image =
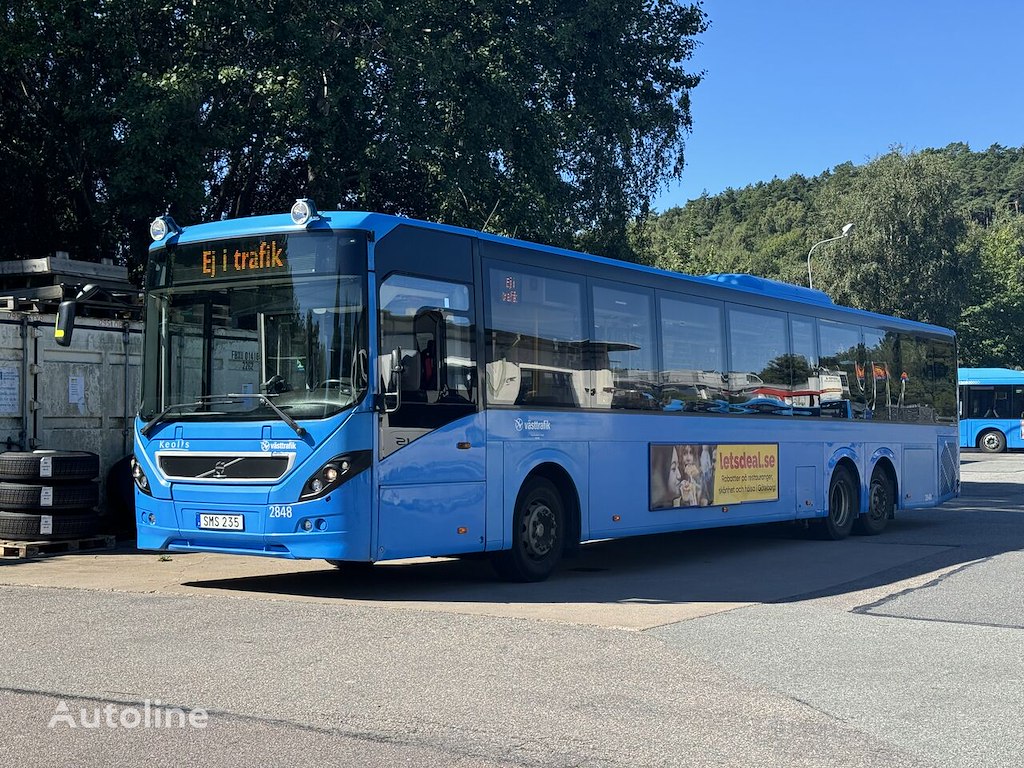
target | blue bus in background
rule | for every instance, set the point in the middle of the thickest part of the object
(361, 387)
(991, 409)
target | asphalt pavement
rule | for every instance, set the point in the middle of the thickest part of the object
(743, 647)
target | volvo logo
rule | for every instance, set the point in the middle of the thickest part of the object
(220, 469)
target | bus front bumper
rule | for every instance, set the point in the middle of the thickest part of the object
(307, 531)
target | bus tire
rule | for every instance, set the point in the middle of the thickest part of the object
(21, 526)
(538, 534)
(63, 465)
(30, 496)
(992, 441)
(842, 506)
(881, 500)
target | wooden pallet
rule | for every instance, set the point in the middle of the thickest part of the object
(26, 549)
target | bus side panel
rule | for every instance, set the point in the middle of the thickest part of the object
(431, 519)
(621, 485)
(1012, 429)
(1015, 434)
(625, 485)
(968, 433)
(919, 483)
(432, 494)
(496, 481)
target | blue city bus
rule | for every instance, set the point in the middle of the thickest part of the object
(991, 409)
(361, 387)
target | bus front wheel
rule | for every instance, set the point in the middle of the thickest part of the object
(538, 534)
(992, 441)
(842, 506)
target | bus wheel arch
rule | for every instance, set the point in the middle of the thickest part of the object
(881, 500)
(545, 524)
(991, 441)
(842, 502)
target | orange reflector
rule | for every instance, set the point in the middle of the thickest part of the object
(463, 446)
(616, 518)
(460, 530)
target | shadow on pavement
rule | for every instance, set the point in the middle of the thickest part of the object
(768, 563)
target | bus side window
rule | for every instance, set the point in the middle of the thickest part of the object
(1001, 405)
(431, 322)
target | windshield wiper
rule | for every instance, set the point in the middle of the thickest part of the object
(163, 414)
(230, 398)
(299, 429)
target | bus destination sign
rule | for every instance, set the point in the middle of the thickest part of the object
(266, 256)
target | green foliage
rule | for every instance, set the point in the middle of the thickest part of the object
(938, 236)
(990, 330)
(905, 259)
(549, 119)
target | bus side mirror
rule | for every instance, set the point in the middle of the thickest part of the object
(65, 322)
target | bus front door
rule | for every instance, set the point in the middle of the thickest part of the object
(431, 442)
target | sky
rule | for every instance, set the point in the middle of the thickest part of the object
(798, 86)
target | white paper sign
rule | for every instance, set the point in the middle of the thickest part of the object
(46, 496)
(10, 390)
(76, 390)
(46, 466)
(45, 524)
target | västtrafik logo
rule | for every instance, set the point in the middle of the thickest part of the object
(532, 425)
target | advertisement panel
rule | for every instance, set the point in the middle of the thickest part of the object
(702, 474)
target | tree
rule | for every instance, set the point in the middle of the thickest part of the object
(905, 257)
(990, 328)
(551, 119)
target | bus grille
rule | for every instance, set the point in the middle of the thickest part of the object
(221, 467)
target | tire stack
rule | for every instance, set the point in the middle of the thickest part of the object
(48, 495)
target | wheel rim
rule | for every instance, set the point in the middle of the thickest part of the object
(540, 530)
(839, 504)
(991, 441)
(879, 506)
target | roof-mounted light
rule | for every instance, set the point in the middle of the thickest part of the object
(163, 226)
(304, 211)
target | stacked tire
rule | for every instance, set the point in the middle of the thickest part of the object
(48, 495)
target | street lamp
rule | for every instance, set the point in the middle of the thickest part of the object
(846, 231)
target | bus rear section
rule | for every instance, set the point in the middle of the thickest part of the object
(991, 409)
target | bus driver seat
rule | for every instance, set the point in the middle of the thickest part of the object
(411, 376)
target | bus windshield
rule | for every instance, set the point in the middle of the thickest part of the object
(281, 316)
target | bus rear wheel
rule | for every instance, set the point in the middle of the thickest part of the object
(538, 534)
(992, 441)
(881, 499)
(842, 506)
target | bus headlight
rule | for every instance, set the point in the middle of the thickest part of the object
(141, 481)
(163, 226)
(335, 473)
(304, 211)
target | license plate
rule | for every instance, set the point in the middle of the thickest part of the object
(220, 522)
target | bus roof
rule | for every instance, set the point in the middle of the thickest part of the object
(381, 224)
(990, 376)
